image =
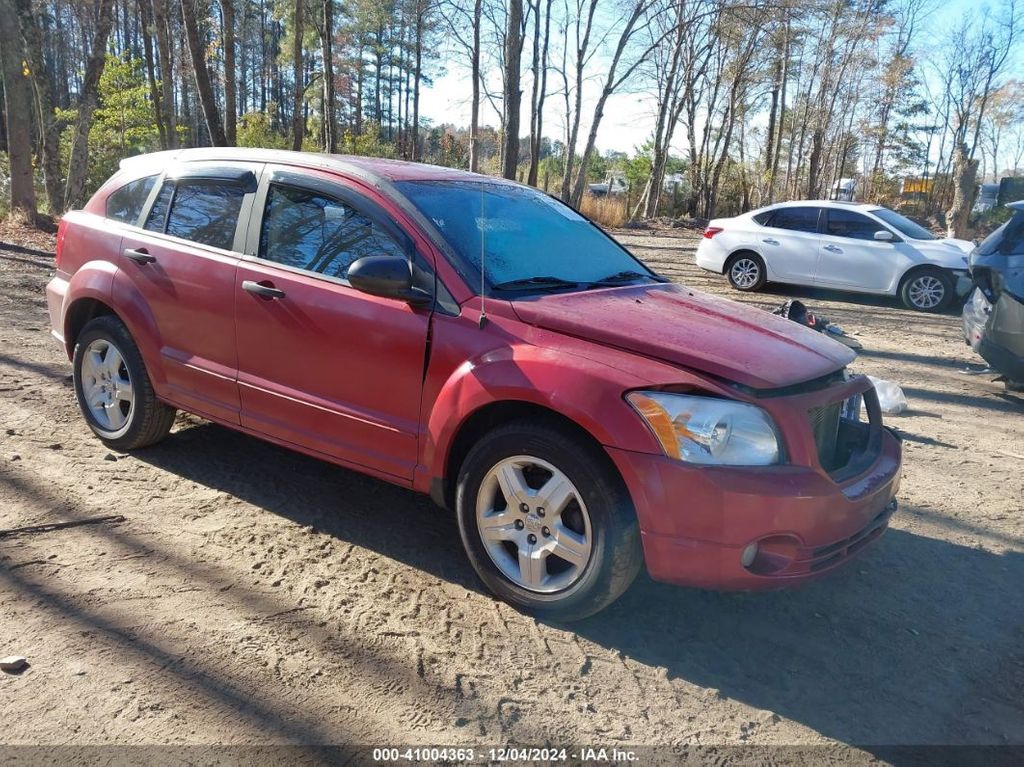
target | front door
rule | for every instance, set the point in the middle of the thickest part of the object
(851, 258)
(320, 364)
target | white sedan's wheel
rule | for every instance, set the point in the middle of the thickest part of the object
(746, 272)
(929, 290)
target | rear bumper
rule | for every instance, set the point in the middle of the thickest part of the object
(696, 523)
(711, 256)
(56, 291)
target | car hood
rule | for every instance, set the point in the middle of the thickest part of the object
(695, 330)
(949, 252)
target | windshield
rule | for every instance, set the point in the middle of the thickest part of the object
(1007, 239)
(903, 224)
(530, 241)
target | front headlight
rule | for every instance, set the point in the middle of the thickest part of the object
(709, 431)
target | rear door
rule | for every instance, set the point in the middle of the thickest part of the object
(851, 257)
(789, 243)
(320, 364)
(182, 266)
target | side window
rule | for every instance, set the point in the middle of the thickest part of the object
(796, 219)
(125, 204)
(205, 212)
(764, 219)
(308, 230)
(846, 223)
(157, 218)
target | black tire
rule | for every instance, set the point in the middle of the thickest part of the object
(615, 553)
(746, 271)
(148, 420)
(916, 297)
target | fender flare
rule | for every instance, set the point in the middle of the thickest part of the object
(584, 391)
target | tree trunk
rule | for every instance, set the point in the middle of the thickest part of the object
(18, 104)
(43, 90)
(164, 48)
(330, 96)
(146, 12)
(227, 9)
(78, 165)
(197, 52)
(474, 118)
(965, 173)
(417, 76)
(513, 90)
(298, 119)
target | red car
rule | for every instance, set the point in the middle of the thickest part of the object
(477, 340)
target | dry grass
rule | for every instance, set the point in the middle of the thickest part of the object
(607, 211)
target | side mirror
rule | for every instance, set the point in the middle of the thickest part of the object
(388, 277)
(884, 235)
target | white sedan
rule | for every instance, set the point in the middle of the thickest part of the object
(839, 245)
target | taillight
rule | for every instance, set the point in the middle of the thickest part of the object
(711, 231)
(61, 231)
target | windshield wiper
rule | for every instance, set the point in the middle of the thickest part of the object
(535, 282)
(620, 278)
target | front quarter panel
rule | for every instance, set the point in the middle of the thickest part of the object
(505, 361)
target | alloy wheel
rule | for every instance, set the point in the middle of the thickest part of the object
(534, 524)
(745, 273)
(926, 291)
(107, 386)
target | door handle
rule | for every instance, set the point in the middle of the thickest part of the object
(833, 249)
(140, 256)
(770, 241)
(264, 291)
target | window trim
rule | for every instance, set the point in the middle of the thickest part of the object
(197, 174)
(443, 300)
(149, 195)
(818, 223)
(881, 225)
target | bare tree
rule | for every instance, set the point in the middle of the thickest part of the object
(227, 10)
(513, 87)
(298, 118)
(17, 91)
(78, 165)
(197, 53)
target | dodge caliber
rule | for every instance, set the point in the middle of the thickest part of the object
(477, 340)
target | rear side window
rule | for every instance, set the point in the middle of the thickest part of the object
(796, 219)
(846, 223)
(307, 230)
(200, 210)
(764, 218)
(125, 204)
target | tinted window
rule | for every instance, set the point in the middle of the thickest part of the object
(903, 224)
(764, 217)
(125, 204)
(157, 217)
(308, 230)
(205, 212)
(796, 219)
(846, 223)
(1007, 240)
(522, 232)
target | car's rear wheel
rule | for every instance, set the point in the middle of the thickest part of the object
(927, 290)
(546, 521)
(746, 271)
(113, 389)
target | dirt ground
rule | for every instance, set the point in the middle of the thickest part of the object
(252, 595)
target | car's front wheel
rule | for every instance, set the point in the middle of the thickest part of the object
(927, 290)
(113, 389)
(746, 271)
(546, 521)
